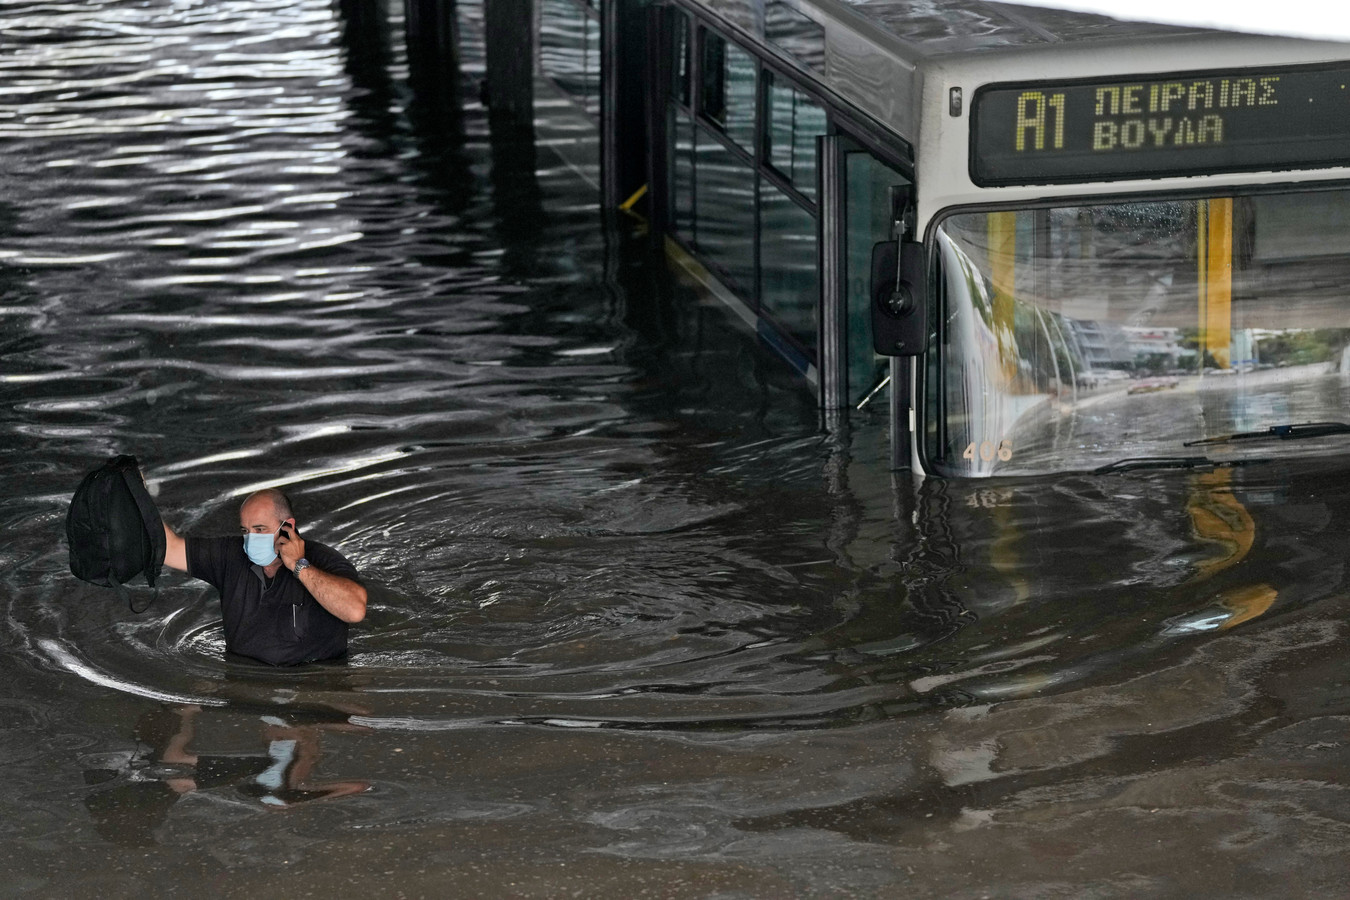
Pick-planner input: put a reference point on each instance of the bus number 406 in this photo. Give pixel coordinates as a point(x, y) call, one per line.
point(987, 450)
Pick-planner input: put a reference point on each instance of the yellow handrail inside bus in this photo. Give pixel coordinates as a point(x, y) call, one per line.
point(1214, 256)
point(637, 195)
point(1003, 275)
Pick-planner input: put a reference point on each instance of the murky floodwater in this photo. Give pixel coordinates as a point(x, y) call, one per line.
point(637, 627)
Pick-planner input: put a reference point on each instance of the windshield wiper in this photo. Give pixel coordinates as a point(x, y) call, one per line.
point(1156, 462)
point(1281, 432)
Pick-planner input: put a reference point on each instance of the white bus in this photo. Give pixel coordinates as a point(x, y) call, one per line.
point(1061, 241)
point(1140, 253)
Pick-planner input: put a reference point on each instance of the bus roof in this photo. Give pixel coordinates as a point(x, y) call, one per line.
point(874, 52)
point(915, 29)
point(929, 27)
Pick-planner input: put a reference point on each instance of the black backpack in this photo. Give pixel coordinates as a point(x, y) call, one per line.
point(114, 529)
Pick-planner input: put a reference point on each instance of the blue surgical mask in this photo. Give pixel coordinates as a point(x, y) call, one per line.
point(260, 548)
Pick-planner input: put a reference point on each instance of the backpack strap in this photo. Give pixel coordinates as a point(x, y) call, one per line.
point(154, 525)
point(154, 529)
point(125, 595)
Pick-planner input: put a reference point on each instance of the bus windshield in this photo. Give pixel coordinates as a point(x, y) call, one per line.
point(1075, 337)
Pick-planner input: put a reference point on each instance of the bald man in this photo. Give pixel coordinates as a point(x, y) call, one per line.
point(284, 600)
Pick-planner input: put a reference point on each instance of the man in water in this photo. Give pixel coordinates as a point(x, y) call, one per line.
point(284, 600)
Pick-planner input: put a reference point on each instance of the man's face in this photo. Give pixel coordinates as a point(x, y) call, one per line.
point(259, 516)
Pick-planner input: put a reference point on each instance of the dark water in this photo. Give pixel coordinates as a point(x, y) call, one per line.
point(638, 626)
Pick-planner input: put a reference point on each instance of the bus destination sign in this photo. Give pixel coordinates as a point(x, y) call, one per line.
point(1247, 120)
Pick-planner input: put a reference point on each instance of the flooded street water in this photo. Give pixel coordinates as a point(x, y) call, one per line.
point(638, 625)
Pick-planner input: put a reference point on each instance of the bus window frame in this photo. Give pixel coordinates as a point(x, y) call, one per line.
point(841, 119)
point(765, 135)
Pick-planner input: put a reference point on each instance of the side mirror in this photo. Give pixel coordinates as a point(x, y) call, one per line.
point(899, 298)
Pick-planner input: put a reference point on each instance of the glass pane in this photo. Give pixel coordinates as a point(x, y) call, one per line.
point(1076, 337)
point(809, 124)
point(712, 88)
point(725, 203)
point(779, 126)
point(789, 281)
point(728, 94)
point(740, 77)
point(794, 123)
point(682, 173)
point(868, 222)
point(680, 58)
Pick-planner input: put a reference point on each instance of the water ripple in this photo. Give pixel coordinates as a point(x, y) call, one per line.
point(580, 503)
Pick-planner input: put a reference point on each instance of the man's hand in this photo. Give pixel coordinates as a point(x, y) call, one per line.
point(342, 597)
point(290, 546)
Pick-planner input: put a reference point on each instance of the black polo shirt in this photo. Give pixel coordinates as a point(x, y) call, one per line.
point(272, 620)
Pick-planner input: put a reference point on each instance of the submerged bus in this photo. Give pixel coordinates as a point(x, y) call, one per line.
point(1056, 241)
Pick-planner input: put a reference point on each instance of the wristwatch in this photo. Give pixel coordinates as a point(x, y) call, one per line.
point(300, 563)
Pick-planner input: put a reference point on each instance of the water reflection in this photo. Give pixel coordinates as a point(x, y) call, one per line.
point(241, 758)
point(630, 608)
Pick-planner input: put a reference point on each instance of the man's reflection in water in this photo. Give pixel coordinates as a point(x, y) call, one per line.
point(294, 751)
point(168, 765)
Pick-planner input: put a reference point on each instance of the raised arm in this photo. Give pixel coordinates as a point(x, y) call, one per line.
point(341, 596)
point(175, 550)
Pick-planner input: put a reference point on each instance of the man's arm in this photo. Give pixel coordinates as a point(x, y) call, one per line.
point(342, 597)
point(175, 550)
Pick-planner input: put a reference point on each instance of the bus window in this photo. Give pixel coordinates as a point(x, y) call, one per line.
point(788, 249)
point(728, 89)
point(792, 123)
point(724, 211)
point(681, 151)
point(1077, 336)
point(789, 278)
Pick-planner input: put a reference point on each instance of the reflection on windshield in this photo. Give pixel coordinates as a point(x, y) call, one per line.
point(1073, 337)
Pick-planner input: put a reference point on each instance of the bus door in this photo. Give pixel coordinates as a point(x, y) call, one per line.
point(860, 211)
